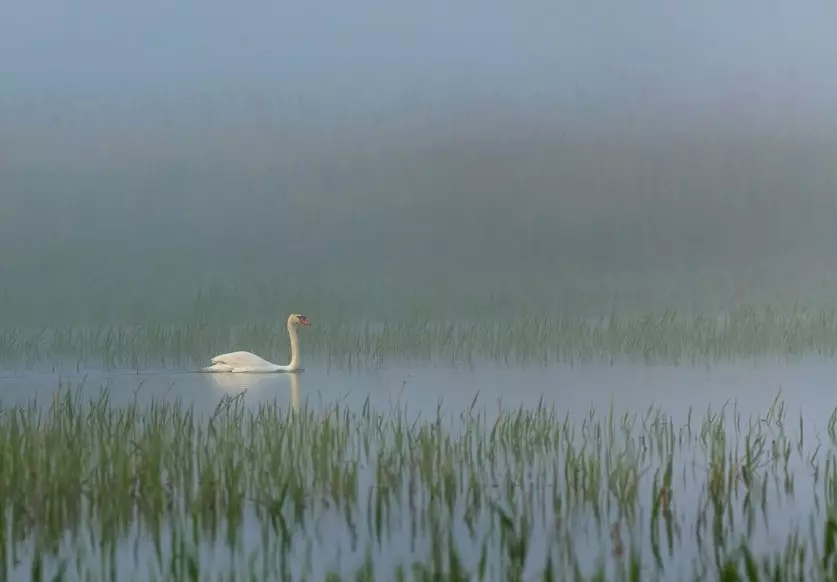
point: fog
(390, 149)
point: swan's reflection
(294, 378)
(234, 384)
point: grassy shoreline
(268, 493)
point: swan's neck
(294, 365)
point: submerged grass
(665, 337)
(90, 491)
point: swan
(246, 362)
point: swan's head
(298, 319)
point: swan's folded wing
(217, 368)
(240, 360)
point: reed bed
(92, 491)
(669, 337)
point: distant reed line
(667, 337)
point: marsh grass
(91, 491)
(668, 337)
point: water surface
(747, 389)
(805, 384)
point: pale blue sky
(351, 55)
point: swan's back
(242, 360)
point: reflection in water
(294, 391)
(233, 384)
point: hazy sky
(341, 56)
(234, 128)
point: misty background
(273, 156)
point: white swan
(245, 362)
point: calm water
(806, 385)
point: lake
(668, 400)
(752, 385)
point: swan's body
(246, 362)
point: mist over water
(466, 207)
(382, 152)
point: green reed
(92, 491)
(533, 339)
